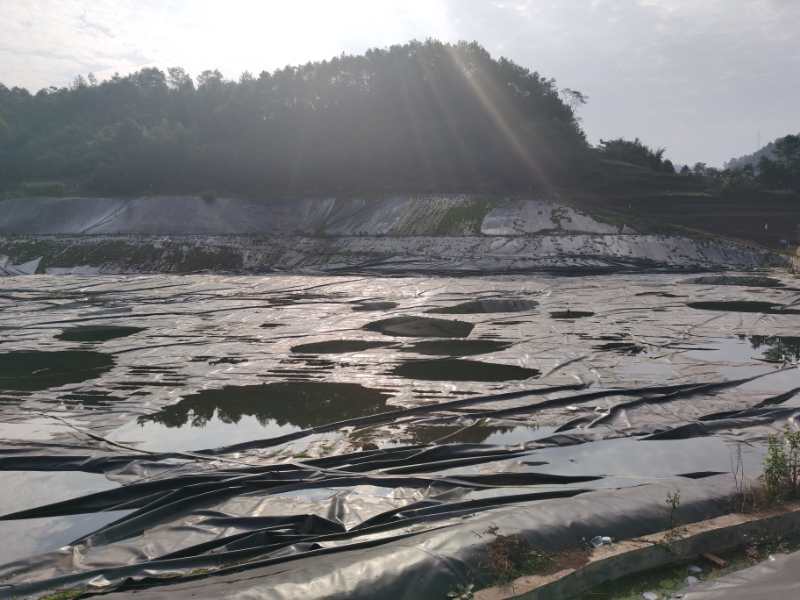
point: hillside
(414, 117)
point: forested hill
(415, 117)
(753, 159)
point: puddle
(90, 400)
(36, 370)
(407, 326)
(453, 369)
(746, 306)
(265, 410)
(370, 306)
(570, 314)
(778, 349)
(455, 347)
(491, 305)
(338, 346)
(97, 333)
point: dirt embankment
(455, 233)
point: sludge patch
(745, 306)
(374, 306)
(299, 404)
(338, 346)
(741, 280)
(626, 348)
(456, 347)
(37, 370)
(407, 326)
(97, 333)
(570, 314)
(453, 369)
(491, 305)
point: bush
(43, 188)
(782, 466)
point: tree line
(423, 116)
(418, 117)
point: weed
(675, 532)
(673, 500)
(511, 556)
(782, 466)
(748, 497)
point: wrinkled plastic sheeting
(390, 513)
(411, 563)
(773, 579)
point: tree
(635, 152)
(179, 80)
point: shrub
(782, 466)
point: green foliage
(462, 592)
(417, 117)
(782, 466)
(776, 166)
(635, 152)
(63, 595)
(509, 557)
(43, 188)
(782, 172)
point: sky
(706, 79)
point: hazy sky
(704, 78)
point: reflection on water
(300, 404)
(36, 370)
(779, 349)
(477, 434)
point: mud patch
(453, 369)
(455, 347)
(491, 305)
(407, 326)
(571, 314)
(338, 346)
(37, 370)
(299, 404)
(745, 306)
(97, 333)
